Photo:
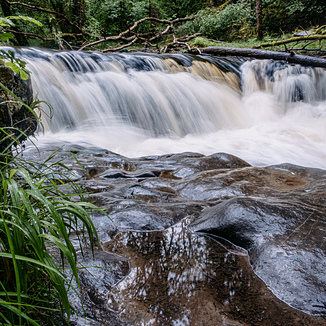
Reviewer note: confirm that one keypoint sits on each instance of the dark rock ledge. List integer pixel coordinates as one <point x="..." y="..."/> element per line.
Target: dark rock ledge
<point x="210" y="240"/>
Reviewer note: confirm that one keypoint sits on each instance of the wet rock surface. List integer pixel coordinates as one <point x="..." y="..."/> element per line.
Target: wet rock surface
<point x="208" y="240"/>
<point x="285" y="243"/>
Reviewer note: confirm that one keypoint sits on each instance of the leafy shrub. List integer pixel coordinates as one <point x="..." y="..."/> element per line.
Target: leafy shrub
<point x="219" y="24"/>
<point x="286" y="16"/>
<point x="177" y="8"/>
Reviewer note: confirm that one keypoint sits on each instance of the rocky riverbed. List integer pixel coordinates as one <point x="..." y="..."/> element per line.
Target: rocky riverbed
<point x="200" y="240"/>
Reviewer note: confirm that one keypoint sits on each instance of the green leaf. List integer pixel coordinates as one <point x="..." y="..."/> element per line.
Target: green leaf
<point x="23" y="74"/>
<point x="13" y="66"/>
<point x="26" y="18"/>
<point x="33" y="261"/>
<point x="65" y="251"/>
<point x="35" y="214"/>
<point x="6" y="22"/>
<point x="6" y="36"/>
<point x="19" y="313"/>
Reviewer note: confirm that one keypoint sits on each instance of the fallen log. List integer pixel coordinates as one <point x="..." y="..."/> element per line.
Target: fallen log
<point x="290" y="57"/>
<point x="313" y="37"/>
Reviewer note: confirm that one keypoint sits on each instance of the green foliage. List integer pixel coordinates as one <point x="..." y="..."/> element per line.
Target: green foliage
<point x="17" y="65"/>
<point x="73" y="23"/>
<point x="286" y="16"/>
<point x="38" y="213"/>
<point x="25" y="19"/>
<point x="294" y="7"/>
<point x="219" y="24"/>
<point x="5" y="22"/>
<point x="202" y="42"/>
<point x="238" y="20"/>
<point x="4" y="37"/>
<point x="113" y="16"/>
<point x="178" y="8"/>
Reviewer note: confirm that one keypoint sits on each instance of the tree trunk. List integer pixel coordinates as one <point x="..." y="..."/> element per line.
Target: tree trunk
<point x="303" y="60"/>
<point x="78" y="11"/>
<point x="259" y="20"/>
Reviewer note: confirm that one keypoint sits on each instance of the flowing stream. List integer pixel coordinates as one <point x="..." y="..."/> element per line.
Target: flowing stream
<point x="263" y="111"/>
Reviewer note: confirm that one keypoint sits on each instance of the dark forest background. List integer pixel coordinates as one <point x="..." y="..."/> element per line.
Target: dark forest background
<point x="98" y="24"/>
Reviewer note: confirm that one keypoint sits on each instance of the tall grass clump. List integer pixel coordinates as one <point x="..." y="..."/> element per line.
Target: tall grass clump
<point x="37" y="216"/>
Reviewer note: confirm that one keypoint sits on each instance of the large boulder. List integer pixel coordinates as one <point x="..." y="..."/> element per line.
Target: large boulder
<point x="285" y="240"/>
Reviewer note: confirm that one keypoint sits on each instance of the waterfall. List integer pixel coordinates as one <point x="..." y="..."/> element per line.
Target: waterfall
<point x="264" y="111"/>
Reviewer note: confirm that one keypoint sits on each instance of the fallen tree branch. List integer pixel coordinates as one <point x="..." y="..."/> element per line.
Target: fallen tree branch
<point x="120" y="47"/>
<point x="170" y="24"/>
<point x="160" y="34"/>
<point x="265" y="54"/>
<point x="31" y="35"/>
<point x="48" y="11"/>
<point x="291" y="40"/>
<point x="182" y="41"/>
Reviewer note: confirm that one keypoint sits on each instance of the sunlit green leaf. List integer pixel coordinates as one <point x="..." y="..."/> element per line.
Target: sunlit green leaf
<point x="5" y="36"/>
<point x="23" y="74"/>
<point x="13" y="66"/>
<point x="26" y="18"/>
<point x="6" y="22"/>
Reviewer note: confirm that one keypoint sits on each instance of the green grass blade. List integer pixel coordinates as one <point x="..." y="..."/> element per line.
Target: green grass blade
<point x="19" y="313"/>
<point x="16" y="267"/>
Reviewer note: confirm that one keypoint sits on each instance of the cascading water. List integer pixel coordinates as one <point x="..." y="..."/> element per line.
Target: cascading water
<point x="263" y="111"/>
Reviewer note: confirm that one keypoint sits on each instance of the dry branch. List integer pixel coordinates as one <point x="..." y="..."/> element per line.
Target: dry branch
<point x="181" y="42"/>
<point x="265" y="54"/>
<point x="31" y="35"/>
<point x="48" y="11"/>
<point x="120" y="47"/>
<point x="291" y="40"/>
<point x="122" y="35"/>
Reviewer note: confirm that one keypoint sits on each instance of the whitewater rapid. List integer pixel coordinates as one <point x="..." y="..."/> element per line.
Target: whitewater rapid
<point x="136" y="105"/>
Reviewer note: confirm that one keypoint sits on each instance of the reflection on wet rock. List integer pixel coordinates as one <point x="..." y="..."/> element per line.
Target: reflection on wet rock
<point x="180" y="278"/>
<point x="283" y="241"/>
<point x="97" y="275"/>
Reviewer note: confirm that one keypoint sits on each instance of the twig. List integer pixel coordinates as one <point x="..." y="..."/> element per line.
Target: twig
<point x="48" y="11"/>
<point x="32" y="35"/>
<point x="182" y="42"/>
<point x="297" y="228"/>
<point x="120" y="47"/>
<point x="130" y="29"/>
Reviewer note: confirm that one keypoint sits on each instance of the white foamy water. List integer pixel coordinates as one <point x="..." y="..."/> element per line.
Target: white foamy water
<point x="140" y="105"/>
